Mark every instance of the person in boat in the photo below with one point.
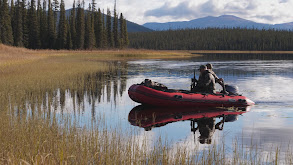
(217, 79)
(205, 82)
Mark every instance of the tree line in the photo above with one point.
(214, 39)
(44, 25)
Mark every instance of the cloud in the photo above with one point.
(142, 11)
(167, 10)
(263, 11)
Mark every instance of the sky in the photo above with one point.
(143, 11)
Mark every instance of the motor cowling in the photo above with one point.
(232, 89)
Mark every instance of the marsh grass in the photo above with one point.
(31, 133)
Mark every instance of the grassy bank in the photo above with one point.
(31, 132)
(13, 55)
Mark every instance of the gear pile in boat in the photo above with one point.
(155, 85)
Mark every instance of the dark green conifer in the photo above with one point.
(43, 24)
(115, 28)
(89, 31)
(51, 27)
(80, 26)
(109, 29)
(73, 25)
(18, 37)
(25, 22)
(98, 28)
(39, 18)
(0, 19)
(104, 32)
(123, 32)
(6, 29)
(62, 29)
(34, 39)
(126, 40)
(55, 7)
(69, 44)
(12, 17)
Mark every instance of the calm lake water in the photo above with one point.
(265, 79)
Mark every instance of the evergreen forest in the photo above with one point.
(214, 39)
(44, 24)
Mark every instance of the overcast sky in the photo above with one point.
(142, 11)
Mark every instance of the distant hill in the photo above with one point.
(224, 21)
(131, 26)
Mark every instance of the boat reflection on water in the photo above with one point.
(202, 119)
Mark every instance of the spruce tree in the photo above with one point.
(94, 6)
(55, 11)
(62, 29)
(104, 32)
(109, 29)
(6, 29)
(11, 8)
(80, 27)
(115, 28)
(18, 36)
(39, 9)
(99, 28)
(73, 26)
(39, 17)
(89, 31)
(12, 17)
(43, 24)
(123, 32)
(34, 39)
(25, 28)
(51, 27)
(126, 40)
(69, 44)
(0, 20)
(121, 25)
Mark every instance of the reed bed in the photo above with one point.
(38, 140)
(14, 55)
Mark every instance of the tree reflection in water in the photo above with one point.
(78, 90)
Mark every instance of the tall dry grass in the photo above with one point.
(36, 140)
(14, 55)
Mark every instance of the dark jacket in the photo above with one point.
(206, 83)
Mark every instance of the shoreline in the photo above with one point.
(238, 52)
(10, 55)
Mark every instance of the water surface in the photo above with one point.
(265, 79)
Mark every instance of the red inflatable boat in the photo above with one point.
(179, 98)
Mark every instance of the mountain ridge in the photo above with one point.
(131, 26)
(223, 21)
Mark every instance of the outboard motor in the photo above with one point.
(232, 89)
